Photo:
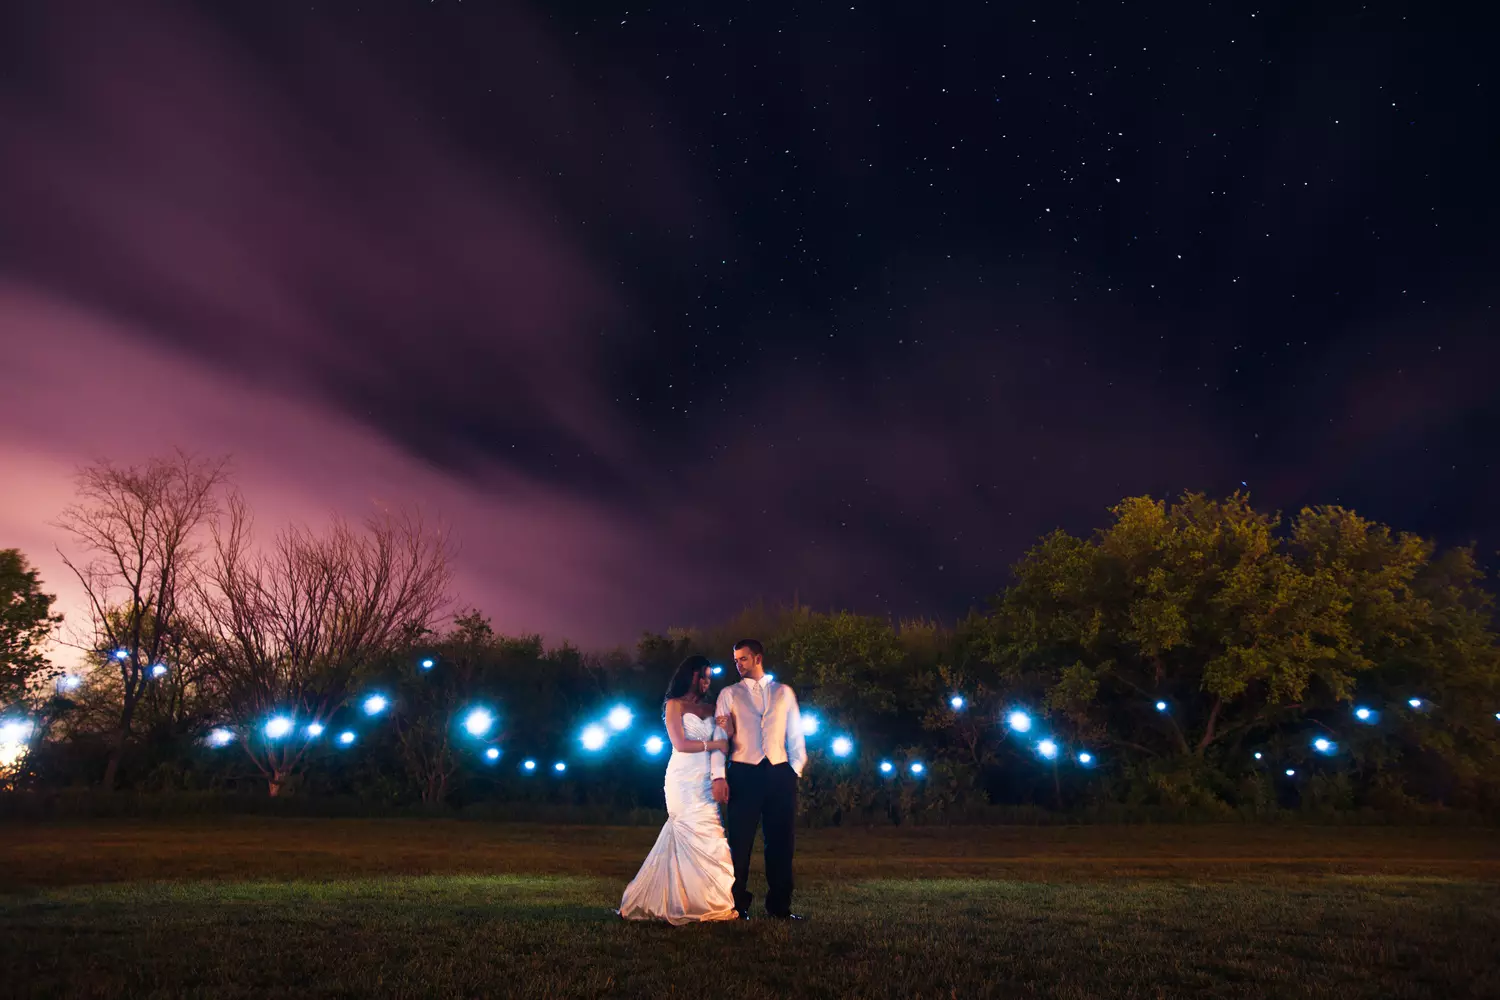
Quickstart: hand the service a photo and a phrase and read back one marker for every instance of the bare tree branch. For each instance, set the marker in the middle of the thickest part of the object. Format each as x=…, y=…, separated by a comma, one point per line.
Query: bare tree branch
x=139, y=528
x=298, y=621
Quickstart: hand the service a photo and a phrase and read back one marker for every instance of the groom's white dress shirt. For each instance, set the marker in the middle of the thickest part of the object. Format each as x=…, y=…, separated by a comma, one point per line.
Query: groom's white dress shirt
x=767, y=725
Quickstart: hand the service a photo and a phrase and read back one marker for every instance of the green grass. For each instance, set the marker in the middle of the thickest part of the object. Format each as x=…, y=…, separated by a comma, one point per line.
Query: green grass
x=415, y=909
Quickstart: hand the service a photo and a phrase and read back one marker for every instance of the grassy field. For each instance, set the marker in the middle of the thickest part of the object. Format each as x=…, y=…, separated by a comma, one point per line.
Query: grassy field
x=259, y=908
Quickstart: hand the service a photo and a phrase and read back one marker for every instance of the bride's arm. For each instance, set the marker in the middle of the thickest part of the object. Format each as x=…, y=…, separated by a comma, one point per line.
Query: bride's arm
x=680, y=742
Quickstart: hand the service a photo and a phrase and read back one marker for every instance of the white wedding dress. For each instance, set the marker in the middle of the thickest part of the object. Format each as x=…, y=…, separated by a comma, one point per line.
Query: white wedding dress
x=688, y=875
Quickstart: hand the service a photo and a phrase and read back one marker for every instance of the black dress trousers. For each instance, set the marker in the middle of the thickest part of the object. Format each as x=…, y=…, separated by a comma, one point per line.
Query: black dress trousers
x=762, y=794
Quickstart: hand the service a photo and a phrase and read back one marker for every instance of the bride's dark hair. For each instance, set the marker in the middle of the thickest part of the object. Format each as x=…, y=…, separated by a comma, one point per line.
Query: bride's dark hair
x=682, y=678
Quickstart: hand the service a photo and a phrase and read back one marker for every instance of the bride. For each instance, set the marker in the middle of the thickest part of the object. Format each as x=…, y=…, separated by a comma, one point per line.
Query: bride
x=688, y=874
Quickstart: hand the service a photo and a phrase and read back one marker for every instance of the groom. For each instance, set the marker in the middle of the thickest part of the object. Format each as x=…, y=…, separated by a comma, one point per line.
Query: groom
x=761, y=781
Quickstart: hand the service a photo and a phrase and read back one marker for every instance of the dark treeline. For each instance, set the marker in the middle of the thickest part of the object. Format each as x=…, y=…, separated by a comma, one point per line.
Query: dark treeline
x=1199, y=658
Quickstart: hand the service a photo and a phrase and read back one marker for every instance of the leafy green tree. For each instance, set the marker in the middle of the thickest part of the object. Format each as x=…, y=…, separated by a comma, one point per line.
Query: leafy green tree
x=1242, y=635
x=26, y=622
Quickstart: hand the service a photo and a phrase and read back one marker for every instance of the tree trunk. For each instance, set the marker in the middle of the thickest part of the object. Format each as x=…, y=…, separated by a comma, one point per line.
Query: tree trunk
x=273, y=785
x=116, y=754
x=1208, y=733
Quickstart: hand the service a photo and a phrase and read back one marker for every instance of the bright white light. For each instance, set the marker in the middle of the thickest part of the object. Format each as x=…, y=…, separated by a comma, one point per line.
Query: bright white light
x=479, y=721
x=428, y=664
x=810, y=724
x=493, y=753
x=314, y=729
x=220, y=738
x=843, y=746
x=917, y=767
x=528, y=765
x=593, y=738
x=655, y=745
x=1414, y=702
x=346, y=738
x=716, y=671
x=159, y=670
x=1047, y=749
x=1258, y=755
x=1019, y=721
x=770, y=678
x=1324, y=746
x=16, y=730
x=956, y=703
x=122, y=654
x=1497, y=716
x=886, y=767
x=13, y=736
x=278, y=726
x=1363, y=714
x=620, y=718
x=1291, y=773
x=375, y=704
x=69, y=682
x=559, y=767
x=1085, y=758
x=1161, y=706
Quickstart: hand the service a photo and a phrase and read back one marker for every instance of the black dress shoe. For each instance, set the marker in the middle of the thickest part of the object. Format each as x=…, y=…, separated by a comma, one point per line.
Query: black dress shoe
x=786, y=916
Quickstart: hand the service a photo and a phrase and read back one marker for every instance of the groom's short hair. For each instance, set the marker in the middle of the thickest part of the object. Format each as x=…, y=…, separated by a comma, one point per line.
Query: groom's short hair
x=753, y=645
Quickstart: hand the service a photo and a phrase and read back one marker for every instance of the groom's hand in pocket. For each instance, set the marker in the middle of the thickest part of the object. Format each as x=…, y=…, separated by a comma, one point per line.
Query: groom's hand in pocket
x=721, y=790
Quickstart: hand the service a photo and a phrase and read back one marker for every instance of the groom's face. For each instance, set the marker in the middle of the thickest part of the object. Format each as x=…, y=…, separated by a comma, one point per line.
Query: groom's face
x=747, y=663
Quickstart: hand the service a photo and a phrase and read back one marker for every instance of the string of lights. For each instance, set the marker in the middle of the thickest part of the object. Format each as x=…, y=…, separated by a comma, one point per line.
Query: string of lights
x=596, y=737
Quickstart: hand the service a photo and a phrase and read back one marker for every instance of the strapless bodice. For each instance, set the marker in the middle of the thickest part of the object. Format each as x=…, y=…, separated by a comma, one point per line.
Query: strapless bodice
x=695, y=728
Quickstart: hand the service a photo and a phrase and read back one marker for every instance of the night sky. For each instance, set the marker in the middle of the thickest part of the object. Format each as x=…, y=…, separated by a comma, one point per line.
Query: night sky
x=666, y=308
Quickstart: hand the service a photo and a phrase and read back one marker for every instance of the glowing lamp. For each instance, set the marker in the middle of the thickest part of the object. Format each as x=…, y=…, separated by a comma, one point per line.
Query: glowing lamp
x=810, y=724
x=1258, y=755
x=346, y=738
x=619, y=718
x=428, y=664
x=1291, y=772
x=158, y=670
x=1048, y=749
x=376, y=703
x=220, y=737
x=1085, y=758
x=1414, y=702
x=69, y=682
x=886, y=767
x=1161, y=706
x=842, y=746
x=715, y=670
x=314, y=729
x=493, y=753
x=956, y=703
x=593, y=738
x=1364, y=714
x=479, y=721
x=559, y=767
x=917, y=767
x=655, y=745
x=277, y=727
x=122, y=654
x=1324, y=746
x=528, y=765
x=1497, y=716
x=770, y=678
x=1019, y=722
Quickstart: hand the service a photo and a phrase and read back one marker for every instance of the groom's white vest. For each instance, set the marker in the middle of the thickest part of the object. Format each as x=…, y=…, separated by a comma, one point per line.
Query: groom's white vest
x=767, y=725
